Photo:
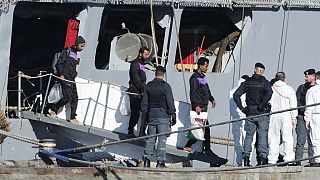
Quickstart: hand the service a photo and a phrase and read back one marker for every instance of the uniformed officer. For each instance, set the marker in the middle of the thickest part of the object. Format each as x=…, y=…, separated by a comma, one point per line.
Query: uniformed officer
x=238, y=131
x=258, y=93
x=158, y=104
x=303, y=133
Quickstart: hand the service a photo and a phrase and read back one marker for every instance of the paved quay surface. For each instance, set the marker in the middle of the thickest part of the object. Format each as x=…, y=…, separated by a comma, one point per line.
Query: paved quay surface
x=37, y=170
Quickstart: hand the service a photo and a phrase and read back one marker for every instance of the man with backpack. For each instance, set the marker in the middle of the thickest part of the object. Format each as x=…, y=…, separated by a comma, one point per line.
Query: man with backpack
x=66, y=70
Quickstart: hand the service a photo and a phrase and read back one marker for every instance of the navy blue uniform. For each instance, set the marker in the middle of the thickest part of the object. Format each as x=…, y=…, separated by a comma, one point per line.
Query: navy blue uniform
x=303, y=133
x=158, y=104
x=258, y=94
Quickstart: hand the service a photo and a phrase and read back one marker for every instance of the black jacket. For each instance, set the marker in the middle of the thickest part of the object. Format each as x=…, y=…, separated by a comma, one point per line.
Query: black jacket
x=168, y=108
x=301, y=97
x=67, y=64
x=137, y=76
x=262, y=98
x=200, y=94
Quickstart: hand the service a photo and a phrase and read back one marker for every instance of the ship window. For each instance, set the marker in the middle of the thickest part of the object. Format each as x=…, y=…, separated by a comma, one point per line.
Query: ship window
x=38, y=31
x=205, y=32
x=137, y=20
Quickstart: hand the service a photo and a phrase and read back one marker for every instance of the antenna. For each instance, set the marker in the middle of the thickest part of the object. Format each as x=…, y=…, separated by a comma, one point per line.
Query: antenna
x=123, y=26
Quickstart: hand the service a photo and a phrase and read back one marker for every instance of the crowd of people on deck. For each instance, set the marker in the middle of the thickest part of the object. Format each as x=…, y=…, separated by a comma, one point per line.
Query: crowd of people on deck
x=253, y=96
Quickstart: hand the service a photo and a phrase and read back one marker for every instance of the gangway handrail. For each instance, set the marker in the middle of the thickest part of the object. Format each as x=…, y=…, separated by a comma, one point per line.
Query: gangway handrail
x=179, y=131
x=167, y=133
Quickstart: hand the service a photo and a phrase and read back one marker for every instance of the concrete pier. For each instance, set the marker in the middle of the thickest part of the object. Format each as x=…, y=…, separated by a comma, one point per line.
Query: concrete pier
x=115, y=172
x=269, y=173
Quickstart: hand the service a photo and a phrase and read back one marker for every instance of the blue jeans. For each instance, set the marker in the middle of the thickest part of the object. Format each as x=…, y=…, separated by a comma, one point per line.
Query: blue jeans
x=261, y=125
x=156, y=126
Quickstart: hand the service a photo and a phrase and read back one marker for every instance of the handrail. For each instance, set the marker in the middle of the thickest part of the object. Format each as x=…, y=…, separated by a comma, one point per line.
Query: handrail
x=4, y=4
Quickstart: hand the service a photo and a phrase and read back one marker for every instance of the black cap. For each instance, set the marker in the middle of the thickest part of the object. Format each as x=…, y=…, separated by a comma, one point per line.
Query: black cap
x=318, y=73
x=309, y=72
x=160, y=68
x=80, y=40
x=259, y=65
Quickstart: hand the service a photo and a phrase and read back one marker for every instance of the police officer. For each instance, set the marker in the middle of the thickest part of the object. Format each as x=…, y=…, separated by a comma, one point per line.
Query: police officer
x=238, y=131
x=258, y=93
x=136, y=85
x=158, y=104
x=67, y=70
x=302, y=132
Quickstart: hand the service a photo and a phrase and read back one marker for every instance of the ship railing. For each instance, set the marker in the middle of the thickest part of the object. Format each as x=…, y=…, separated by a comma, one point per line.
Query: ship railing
x=21, y=75
x=43, y=102
x=4, y=4
x=108, y=143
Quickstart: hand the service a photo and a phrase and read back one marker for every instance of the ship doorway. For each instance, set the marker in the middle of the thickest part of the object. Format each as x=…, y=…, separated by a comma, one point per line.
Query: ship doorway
x=38, y=32
x=210, y=33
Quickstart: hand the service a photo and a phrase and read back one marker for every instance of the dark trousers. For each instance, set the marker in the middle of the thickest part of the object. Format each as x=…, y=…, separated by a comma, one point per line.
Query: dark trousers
x=135, y=106
x=303, y=134
x=70, y=94
x=206, y=142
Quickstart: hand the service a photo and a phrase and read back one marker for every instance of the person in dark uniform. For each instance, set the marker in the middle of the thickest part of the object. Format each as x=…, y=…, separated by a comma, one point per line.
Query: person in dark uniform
x=136, y=85
x=258, y=93
x=66, y=70
x=303, y=133
x=200, y=96
x=158, y=104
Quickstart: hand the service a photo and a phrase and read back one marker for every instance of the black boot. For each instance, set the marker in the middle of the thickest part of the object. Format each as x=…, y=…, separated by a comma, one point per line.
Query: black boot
x=259, y=160
x=161, y=165
x=146, y=162
x=264, y=161
x=246, y=161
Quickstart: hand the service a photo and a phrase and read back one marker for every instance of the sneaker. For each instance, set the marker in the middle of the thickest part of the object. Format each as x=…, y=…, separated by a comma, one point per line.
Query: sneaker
x=52, y=113
x=74, y=121
x=188, y=149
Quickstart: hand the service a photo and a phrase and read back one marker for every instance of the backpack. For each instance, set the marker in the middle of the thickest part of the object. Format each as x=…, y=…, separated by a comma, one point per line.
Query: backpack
x=55, y=59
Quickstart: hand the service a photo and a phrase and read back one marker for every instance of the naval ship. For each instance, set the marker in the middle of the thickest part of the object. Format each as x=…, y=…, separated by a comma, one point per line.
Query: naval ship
x=232, y=34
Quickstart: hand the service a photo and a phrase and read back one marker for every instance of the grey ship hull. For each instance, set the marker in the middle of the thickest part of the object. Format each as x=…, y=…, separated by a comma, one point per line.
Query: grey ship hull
x=281, y=38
